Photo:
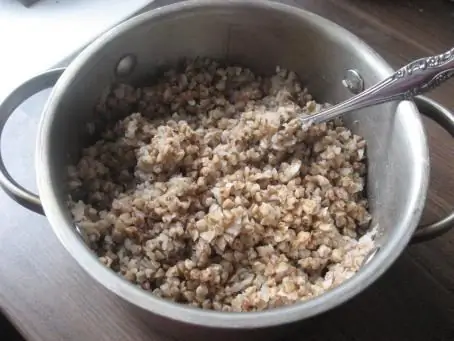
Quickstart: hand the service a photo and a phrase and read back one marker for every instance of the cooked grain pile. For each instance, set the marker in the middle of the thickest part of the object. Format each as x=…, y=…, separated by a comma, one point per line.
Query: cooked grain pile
x=213, y=195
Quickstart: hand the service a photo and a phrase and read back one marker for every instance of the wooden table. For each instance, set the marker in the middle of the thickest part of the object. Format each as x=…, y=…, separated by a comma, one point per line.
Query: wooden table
x=49, y=298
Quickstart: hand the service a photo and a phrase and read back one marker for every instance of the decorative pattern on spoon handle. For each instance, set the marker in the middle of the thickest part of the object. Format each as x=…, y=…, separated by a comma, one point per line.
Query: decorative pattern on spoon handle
x=417, y=77
x=425, y=74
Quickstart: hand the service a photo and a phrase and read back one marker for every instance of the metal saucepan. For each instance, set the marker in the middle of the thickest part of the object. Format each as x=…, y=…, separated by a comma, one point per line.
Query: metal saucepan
x=260, y=35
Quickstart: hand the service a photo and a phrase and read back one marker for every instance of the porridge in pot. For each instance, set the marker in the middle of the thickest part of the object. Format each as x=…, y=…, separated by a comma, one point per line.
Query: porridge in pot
x=210, y=193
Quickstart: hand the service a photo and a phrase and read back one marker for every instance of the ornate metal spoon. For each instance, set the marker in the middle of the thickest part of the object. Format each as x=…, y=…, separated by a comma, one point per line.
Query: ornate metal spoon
x=413, y=79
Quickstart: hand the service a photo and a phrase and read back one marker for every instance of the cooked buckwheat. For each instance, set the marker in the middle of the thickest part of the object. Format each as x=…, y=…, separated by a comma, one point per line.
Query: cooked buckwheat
x=212, y=194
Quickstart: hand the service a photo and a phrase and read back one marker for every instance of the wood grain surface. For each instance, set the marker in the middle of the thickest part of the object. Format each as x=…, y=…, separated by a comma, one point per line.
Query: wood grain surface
x=48, y=297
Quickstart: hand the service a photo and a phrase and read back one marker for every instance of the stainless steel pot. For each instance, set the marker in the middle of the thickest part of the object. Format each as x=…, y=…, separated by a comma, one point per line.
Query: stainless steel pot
x=260, y=35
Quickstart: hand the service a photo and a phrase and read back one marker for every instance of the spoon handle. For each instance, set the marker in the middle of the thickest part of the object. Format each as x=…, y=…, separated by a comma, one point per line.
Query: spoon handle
x=419, y=76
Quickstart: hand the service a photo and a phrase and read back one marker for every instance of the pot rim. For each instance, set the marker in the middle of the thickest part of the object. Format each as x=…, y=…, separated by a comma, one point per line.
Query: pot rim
x=66, y=233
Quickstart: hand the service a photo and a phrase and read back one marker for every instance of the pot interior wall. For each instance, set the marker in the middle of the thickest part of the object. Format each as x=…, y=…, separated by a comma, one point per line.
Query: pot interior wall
x=260, y=39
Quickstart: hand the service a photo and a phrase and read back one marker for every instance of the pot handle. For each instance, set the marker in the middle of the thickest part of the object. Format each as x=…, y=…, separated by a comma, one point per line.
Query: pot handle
x=32, y=86
x=445, y=119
